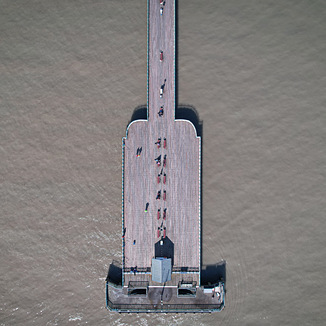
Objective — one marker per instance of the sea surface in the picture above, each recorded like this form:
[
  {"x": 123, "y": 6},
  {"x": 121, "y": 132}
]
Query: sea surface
[{"x": 71, "y": 75}]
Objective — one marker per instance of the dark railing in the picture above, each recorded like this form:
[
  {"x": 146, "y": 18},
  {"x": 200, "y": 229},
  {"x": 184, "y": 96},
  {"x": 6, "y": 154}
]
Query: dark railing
[
  {"x": 137, "y": 270},
  {"x": 185, "y": 284},
  {"x": 164, "y": 307},
  {"x": 174, "y": 269},
  {"x": 185, "y": 269},
  {"x": 138, "y": 284}
]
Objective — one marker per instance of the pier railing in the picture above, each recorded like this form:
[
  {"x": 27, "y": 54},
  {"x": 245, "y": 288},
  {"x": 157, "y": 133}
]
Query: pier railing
[
  {"x": 137, "y": 270},
  {"x": 164, "y": 307},
  {"x": 174, "y": 270},
  {"x": 122, "y": 207},
  {"x": 185, "y": 270}
]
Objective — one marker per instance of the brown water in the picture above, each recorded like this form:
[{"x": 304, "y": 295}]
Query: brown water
[{"x": 71, "y": 74}]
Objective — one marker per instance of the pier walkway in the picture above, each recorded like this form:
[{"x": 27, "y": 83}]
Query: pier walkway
[
  {"x": 161, "y": 217},
  {"x": 171, "y": 184}
]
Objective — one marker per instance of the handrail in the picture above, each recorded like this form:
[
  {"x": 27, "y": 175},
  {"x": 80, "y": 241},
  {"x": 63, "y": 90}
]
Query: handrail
[{"x": 164, "y": 307}]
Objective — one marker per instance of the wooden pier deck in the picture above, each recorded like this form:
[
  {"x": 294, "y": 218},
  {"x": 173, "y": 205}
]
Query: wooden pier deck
[{"x": 182, "y": 170}]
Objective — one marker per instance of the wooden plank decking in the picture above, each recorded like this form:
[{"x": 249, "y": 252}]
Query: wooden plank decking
[{"x": 140, "y": 185}]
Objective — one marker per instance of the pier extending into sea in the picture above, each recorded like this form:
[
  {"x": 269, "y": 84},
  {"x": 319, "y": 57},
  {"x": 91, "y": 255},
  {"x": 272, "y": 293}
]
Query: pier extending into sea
[
  {"x": 161, "y": 218},
  {"x": 144, "y": 177}
]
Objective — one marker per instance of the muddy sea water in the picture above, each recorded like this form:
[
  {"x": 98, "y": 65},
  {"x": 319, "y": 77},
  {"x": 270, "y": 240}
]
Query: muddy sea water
[{"x": 71, "y": 74}]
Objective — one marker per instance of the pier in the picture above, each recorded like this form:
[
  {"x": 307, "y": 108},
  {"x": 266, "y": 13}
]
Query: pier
[
  {"x": 182, "y": 167},
  {"x": 161, "y": 218}
]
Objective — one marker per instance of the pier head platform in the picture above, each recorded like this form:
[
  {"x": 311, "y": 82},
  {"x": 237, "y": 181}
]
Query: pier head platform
[{"x": 161, "y": 217}]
